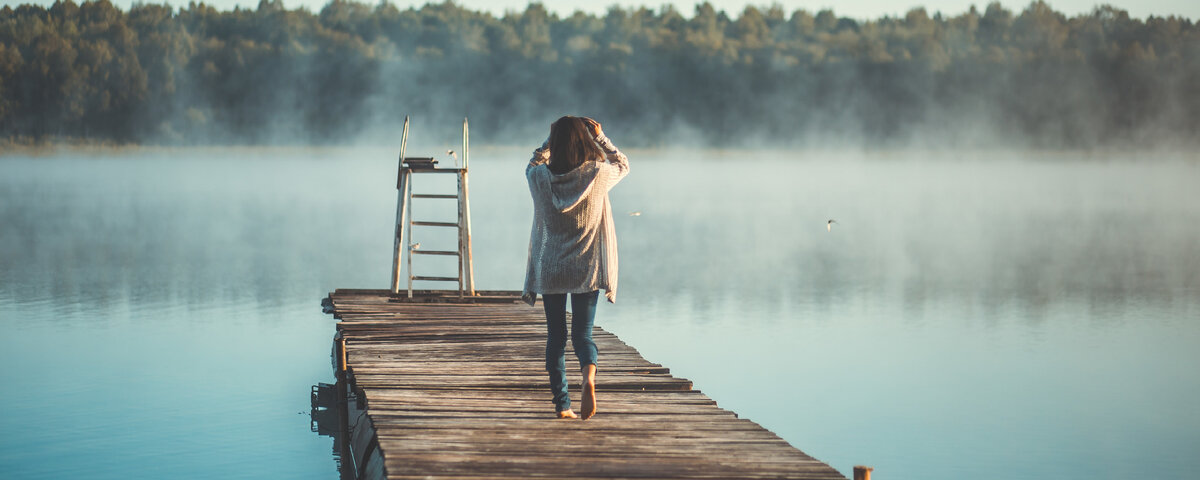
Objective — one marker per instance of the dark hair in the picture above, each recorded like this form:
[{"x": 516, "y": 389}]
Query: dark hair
[{"x": 571, "y": 144}]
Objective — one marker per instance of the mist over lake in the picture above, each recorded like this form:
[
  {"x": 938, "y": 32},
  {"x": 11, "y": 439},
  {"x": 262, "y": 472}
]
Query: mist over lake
[
  {"x": 1011, "y": 314},
  {"x": 941, "y": 244}
]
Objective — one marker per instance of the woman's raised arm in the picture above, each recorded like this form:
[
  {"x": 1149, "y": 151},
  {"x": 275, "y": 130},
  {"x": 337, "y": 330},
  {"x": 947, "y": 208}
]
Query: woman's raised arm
[
  {"x": 540, "y": 155},
  {"x": 614, "y": 157}
]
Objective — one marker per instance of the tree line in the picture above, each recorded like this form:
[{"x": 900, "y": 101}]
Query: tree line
[{"x": 762, "y": 76}]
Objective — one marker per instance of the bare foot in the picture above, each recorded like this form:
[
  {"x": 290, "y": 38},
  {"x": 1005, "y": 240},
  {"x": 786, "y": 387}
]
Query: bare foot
[
  {"x": 589, "y": 400},
  {"x": 567, "y": 414}
]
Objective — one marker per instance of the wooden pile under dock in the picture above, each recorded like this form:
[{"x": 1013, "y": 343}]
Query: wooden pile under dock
[{"x": 446, "y": 389}]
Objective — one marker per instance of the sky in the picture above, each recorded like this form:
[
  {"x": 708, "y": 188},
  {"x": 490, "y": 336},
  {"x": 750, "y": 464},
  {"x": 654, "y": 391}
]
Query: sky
[{"x": 859, "y": 9}]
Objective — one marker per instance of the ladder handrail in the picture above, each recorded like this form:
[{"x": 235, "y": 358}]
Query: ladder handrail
[{"x": 402, "y": 187}]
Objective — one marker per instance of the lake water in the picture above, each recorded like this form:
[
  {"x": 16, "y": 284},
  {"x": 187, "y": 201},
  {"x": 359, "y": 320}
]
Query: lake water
[{"x": 982, "y": 314}]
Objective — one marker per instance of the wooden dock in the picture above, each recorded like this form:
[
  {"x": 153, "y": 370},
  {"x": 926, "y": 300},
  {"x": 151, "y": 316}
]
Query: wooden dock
[{"x": 437, "y": 388}]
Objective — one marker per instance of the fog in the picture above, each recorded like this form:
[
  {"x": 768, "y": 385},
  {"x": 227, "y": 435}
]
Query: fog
[
  {"x": 1027, "y": 314},
  {"x": 762, "y": 77}
]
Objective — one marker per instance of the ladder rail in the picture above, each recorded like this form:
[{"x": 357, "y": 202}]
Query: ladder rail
[
  {"x": 464, "y": 231},
  {"x": 461, "y": 177},
  {"x": 465, "y": 207},
  {"x": 408, "y": 247},
  {"x": 399, "y": 246}
]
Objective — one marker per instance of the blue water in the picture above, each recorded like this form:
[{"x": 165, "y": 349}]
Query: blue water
[{"x": 985, "y": 314}]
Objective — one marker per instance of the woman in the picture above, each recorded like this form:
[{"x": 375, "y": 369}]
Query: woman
[{"x": 573, "y": 247}]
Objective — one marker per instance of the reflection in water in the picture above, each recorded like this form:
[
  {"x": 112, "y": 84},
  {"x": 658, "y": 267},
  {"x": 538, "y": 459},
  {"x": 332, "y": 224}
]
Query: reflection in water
[
  {"x": 990, "y": 234},
  {"x": 162, "y": 306},
  {"x": 1029, "y": 318},
  {"x": 143, "y": 231},
  {"x": 326, "y": 420},
  {"x": 338, "y": 412},
  {"x": 330, "y": 418}
]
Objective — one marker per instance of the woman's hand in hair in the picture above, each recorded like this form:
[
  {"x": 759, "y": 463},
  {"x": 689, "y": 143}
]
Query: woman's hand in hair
[{"x": 595, "y": 127}]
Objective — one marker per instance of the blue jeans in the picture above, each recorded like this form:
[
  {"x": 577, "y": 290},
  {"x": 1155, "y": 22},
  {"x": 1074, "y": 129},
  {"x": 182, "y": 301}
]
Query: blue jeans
[{"x": 583, "y": 314}]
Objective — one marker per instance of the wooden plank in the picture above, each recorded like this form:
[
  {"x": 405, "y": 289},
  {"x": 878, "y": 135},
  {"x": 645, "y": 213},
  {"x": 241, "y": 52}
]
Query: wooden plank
[{"x": 459, "y": 390}]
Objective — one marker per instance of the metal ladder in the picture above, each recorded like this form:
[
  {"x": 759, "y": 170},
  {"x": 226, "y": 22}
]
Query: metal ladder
[{"x": 410, "y": 166}]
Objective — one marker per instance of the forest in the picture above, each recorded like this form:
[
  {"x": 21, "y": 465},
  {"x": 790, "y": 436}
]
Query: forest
[{"x": 156, "y": 74}]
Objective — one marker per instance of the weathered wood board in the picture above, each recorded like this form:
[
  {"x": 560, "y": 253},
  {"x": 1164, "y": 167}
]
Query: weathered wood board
[{"x": 458, "y": 391}]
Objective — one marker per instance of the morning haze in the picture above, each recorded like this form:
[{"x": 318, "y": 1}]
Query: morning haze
[
  {"x": 1010, "y": 289},
  {"x": 761, "y": 76}
]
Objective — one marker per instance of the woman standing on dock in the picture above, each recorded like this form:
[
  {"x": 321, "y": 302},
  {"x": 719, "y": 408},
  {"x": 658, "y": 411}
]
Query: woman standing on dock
[{"x": 573, "y": 246}]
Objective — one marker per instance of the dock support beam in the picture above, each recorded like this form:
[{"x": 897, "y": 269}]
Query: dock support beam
[{"x": 862, "y": 473}]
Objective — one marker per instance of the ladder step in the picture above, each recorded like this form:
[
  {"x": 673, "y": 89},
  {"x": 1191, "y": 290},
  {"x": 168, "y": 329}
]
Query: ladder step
[
  {"x": 432, "y": 195},
  {"x": 436, "y": 279},
  {"x": 436, "y": 224},
  {"x": 434, "y": 252},
  {"x": 431, "y": 169}
]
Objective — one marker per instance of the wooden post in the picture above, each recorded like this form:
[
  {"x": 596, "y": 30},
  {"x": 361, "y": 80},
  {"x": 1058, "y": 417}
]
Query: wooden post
[
  {"x": 342, "y": 354},
  {"x": 862, "y": 473}
]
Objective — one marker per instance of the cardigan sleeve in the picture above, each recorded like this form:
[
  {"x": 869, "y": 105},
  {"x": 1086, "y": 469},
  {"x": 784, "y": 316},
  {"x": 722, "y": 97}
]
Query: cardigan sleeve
[
  {"x": 615, "y": 158},
  {"x": 540, "y": 155}
]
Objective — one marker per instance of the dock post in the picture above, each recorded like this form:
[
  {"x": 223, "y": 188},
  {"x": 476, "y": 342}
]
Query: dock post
[
  {"x": 342, "y": 355},
  {"x": 862, "y": 473}
]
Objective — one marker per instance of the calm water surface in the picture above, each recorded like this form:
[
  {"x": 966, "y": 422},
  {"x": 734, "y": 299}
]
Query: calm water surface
[{"x": 978, "y": 314}]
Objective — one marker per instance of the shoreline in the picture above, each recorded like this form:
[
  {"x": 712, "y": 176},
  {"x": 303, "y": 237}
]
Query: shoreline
[{"x": 964, "y": 153}]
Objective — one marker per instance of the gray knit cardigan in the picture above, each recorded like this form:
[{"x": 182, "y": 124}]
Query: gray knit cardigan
[{"x": 573, "y": 246}]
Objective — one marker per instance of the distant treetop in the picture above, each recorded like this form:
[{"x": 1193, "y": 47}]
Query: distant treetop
[{"x": 351, "y": 71}]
